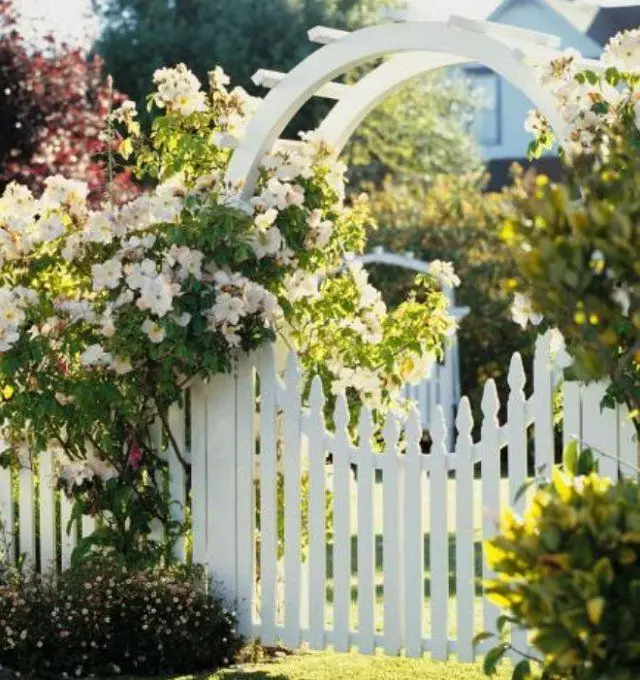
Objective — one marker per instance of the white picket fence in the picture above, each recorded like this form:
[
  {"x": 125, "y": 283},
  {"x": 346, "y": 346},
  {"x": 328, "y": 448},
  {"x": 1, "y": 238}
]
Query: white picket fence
[{"x": 397, "y": 567}]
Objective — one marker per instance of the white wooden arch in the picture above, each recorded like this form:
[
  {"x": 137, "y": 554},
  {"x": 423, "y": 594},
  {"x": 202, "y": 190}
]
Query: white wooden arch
[{"x": 422, "y": 46}]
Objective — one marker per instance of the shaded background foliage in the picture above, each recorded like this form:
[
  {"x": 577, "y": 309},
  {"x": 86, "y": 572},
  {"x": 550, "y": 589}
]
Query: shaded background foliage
[
  {"x": 452, "y": 219},
  {"x": 53, "y": 105}
]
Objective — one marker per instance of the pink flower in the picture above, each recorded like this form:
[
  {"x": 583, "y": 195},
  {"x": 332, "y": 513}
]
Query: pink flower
[{"x": 135, "y": 457}]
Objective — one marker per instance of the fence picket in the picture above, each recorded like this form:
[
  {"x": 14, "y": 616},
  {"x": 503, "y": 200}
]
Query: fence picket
[
  {"x": 391, "y": 542},
  {"x": 628, "y": 444},
  {"x": 439, "y": 538},
  {"x": 600, "y": 429},
  {"x": 341, "y": 526},
  {"x": 26, "y": 508},
  {"x": 155, "y": 437},
  {"x": 177, "y": 476},
  {"x": 268, "y": 507},
  {"x": 571, "y": 412},
  {"x": 245, "y": 493},
  {"x": 413, "y": 537},
  {"x": 317, "y": 520},
  {"x": 366, "y": 536},
  {"x": 48, "y": 538},
  {"x": 199, "y": 394},
  {"x": 517, "y": 452},
  {"x": 6, "y": 512},
  {"x": 68, "y": 538},
  {"x": 465, "y": 557},
  {"x": 543, "y": 405},
  {"x": 490, "y": 461},
  {"x": 517, "y": 431},
  {"x": 292, "y": 503}
]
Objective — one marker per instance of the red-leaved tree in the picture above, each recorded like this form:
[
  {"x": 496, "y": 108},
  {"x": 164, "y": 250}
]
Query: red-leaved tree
[{"x": 54, "y": 102}]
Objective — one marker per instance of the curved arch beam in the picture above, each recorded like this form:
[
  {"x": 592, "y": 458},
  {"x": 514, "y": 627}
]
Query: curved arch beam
[
  {"x": 369, "y": 92},
  {"x": 284, "y": 101}
]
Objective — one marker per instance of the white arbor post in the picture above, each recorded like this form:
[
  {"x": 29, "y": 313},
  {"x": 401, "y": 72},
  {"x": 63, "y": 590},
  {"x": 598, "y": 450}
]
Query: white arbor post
[{"x": 223, "y": 486}]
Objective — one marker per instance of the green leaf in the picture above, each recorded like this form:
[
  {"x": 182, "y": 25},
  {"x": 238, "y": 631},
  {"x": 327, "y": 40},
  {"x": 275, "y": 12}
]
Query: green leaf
[
  {"x": 493, "y": 658},
  {"x": 570, "y": 458},
  {"x": 522, "y": 670},
  {"x": 481, "y": 637}
]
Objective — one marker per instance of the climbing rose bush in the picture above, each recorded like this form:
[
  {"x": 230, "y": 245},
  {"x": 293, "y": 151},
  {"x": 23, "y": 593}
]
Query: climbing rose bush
[
  {"x": 107, "y": 314},
  {"x": 576, "y": 243}
]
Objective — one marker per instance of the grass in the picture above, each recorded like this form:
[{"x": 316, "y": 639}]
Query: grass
[{"x": 326, "y": 666}]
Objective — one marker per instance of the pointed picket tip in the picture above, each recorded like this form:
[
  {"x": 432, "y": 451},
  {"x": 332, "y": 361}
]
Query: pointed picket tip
[
  {"x": 316, "y": 397},
  {"x": 391, "y": 429},
  {"x": 517, "y": 377},
  {"x": 490, "y": 400},
  {"x": 293, "y": 365},
  {"x": 365, "y": 425},
  {"x": 438, "y": 430},
  {"x": 341, "y": 413},
  {"x": 413, "y": 428},
  {"x": 464, "y": 419},
  {"x": 543, "y": 346}
]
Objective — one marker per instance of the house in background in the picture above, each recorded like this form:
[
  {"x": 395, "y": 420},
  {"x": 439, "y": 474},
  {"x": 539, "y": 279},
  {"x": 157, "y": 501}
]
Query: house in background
[{"x": 585, "y": 25}]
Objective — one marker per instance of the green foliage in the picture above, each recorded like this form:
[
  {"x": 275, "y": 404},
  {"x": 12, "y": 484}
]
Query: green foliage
[
  {"x": 576, "y": 243},
  {"x": 568, "y": 571},
  {"x": 454, "y": 220},
  {"x": 102, "y": 620},
  {"x": 575, "y": 247},
  {"x": 243, "y": 36},
  {"x": 420, "y": 132}
]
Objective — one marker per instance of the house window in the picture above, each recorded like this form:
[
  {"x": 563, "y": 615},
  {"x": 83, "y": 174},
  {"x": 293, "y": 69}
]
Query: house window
[{"x": 487, "y": 124}]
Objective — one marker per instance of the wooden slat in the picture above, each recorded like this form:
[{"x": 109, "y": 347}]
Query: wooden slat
[
  {"x": 465, "y": 558},
  {"x": 48, "y": 536},
  {"x": 268, "y": 508},
  {"x": 6, "y": 509},
  {"x": 177, "y": 477},
  {"x": 366, "y": 536},
  {"x": 392, "y": 544},
  {"x": 600, "y": 429},
  {"x": 317, "y": 521},
  {"x": 245, "y": 494},
  {"x": 517, "y": 452},
  {"x": 341, "y": 527},
  {"x": 26, "y": 508},
  {"x": 543, "y": 406},
  {"x": 628, "y": 444},
  {"x": 413, "y": 537},
  {"x": 571, "y": 412},
  {"x": 439, "y": 538},
  {"x": 490, "y": 461},
  {"x": 199, "y": 394},
  {"x": 292, "y": 503}
]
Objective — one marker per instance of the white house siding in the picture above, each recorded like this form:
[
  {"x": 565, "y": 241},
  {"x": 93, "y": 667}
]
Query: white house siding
[{"x": 513, "y": 106}]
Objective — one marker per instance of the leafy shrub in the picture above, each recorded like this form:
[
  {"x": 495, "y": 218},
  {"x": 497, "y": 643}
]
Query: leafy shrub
[
  {"x": 576, "y": 243},
  {"x": 569, "y": 572},
  {"x": 103, "y": 620}
]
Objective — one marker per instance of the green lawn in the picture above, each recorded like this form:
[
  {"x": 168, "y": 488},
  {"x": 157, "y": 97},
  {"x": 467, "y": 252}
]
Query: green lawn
[{"x": 326, "y": 666}]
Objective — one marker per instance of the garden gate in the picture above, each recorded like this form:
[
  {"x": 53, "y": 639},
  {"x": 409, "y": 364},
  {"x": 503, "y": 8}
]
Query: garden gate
[{"x": 442, "y": 386}]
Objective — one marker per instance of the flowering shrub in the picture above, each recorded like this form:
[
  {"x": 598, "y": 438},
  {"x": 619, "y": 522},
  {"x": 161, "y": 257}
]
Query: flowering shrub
[
  {"x": 104, "y": 621},
  {"x": 569, "y": 572},
  {"x": 575, "y": 244},
  {"x": 124, "y": 305}
]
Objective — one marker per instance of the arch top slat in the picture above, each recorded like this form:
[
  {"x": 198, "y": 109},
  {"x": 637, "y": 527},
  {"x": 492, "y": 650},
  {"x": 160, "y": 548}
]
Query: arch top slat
[{"x": 420, "y": 46}]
